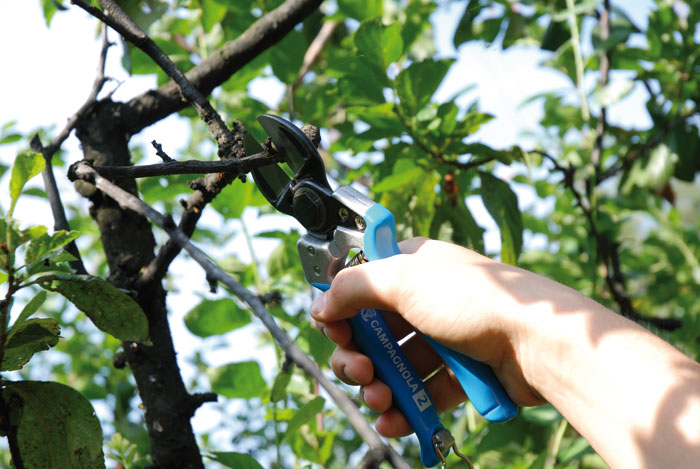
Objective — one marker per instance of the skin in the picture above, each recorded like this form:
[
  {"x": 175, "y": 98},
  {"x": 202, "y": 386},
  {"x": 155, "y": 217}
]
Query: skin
[{"x": 633, "y": 396}]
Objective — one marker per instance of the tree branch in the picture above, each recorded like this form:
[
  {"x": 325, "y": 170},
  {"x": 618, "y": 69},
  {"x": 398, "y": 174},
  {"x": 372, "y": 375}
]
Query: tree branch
[
  {"x": 232, "y": 167},
  {"x": 155, "y": 105},
  {"x": 54, "y": 196},
  {"x": 614, "y": 277},
  {"x": 597, "y": 153},
  {"x": 130, "y": 202},
  {"x": 130, "y": 31}
]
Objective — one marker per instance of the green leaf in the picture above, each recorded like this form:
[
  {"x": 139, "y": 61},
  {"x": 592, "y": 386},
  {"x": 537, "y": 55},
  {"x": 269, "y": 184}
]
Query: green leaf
[
  {"x": 279, "y": 387},
  {"x": 502, "y": 204},
  {"x": 378, "y": 46},
  {"x": 417, "y": 83},
  {"x": 651, "y": 170},
  {"x": 464, "y": 27},
  {"x": 239, "y": 380},
  {"x": 45, "y": 244},
  {"x": 303, "y": 415},
  {"x": 465, "y": 230},
  {"x": 212, "y": 13},
  {"x": 360, "y": 9},
  {"x": 11, "y": 138},
  {"x": 545, "y": 415},
  {"x": 29, "y": 309},
  {"x": 235, "y": 460},
  {"x": 235, "y": 197},
  {"x": 398, "y": 179},
  {"x": 26, "y": 166},
  {"x": 313, "y": 342},
  {"x": 212, "y": 317},
  {"x": 110, "y": 309},
  {"x": 613, "y": 92},
  {"x": 28, "y": 338},
  {"x": 556, "y": 34},
  {"x": 288, "y": 56},
  {"x": 61, "y": 422},
  {"x": 578, "y": 449}
]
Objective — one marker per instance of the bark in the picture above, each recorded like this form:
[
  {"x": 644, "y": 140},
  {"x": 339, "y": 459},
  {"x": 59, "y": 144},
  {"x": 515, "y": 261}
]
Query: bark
[{"x": 129, "y": 246}]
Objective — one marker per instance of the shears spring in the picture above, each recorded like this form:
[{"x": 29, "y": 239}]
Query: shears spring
[{"x": 442, "y": 442}]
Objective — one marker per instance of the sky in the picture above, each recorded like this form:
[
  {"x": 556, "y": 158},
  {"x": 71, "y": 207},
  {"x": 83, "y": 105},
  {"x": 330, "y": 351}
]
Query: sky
[{"x": 47, "y": 75}]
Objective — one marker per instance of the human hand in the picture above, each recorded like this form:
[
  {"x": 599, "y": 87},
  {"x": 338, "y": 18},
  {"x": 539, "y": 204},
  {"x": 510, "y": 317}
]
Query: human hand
[{"x": 459, "y": 298}]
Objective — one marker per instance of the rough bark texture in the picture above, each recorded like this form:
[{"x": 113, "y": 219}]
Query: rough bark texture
[{"x": 129, "y": 246}]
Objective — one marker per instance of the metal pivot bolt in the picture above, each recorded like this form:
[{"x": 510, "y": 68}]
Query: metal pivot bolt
[
  {"x": 311, "y": 250},
  {"x": 360, "y": 223},
  {"x": 343, "y": 213}
]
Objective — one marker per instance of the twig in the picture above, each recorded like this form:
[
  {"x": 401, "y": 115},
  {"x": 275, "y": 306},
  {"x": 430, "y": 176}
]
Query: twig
[
  {"x": 130, "y": 31},
  {"x": 633, "y": 154},
  {"x": 234, "y": 167},
  {"x": 159, "y": 151},
  {"x": 597, "y": 153},
  {"x": 294, "y": 353},
  {"x": 614, "y": 277},
  {"x": 578, "y": 59},
  {"x": 310, "y": 57},
  {"x": 54, "y": 196}
]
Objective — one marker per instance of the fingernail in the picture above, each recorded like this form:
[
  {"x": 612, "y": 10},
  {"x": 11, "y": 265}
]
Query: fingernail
[
  {"x": 349, "y": 375},
  {"x": 317, "y": 306}
]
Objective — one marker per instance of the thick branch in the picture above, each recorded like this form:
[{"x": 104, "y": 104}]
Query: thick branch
[
  {"x": 213, "y": 271},
  {"x": 155, "y": 105},
  {"x": 235, "y": 167}
]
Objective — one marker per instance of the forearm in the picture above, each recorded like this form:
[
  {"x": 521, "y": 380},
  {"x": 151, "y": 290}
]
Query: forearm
[{"x": 634, "y": 397}]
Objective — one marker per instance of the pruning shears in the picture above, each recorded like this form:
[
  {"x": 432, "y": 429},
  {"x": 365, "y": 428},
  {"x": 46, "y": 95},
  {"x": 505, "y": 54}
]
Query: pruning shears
[{"x": 343, "y": 220}]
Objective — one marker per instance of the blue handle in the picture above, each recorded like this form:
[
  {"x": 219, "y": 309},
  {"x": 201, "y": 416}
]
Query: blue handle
[
  {"x": 373, "y": 338},
  {"x": 477, "y": 379}
]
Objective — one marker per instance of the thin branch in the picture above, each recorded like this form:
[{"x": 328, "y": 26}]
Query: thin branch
[
  {"x": 159, "y": 152},
  {"x": 468, "y": 164},
  {"x": 578, "y": 58},
  {"x": 633, "y": 154},
  {"x": 97, "y": 85},
  {"x": 235, "y": 167},
  {"x": 614, "y": 277},
  {"x": 310, "y": 57},
  {"x": 213, "y": 271},
  {"x": 157, "y": 104},
  {"x": 597, "y": 153},
  {"x": 130, "y": 31},
  {"x": 52, "y": 192}
]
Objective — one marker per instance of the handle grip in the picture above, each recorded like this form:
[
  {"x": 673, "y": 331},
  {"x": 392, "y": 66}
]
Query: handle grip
[
  {"x": 477, "y": 379},
  {"x": 373, "y": 338}
]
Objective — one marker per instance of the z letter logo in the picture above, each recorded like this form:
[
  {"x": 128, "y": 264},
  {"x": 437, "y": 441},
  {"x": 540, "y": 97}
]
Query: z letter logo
[{"x": 422, "y": 400}]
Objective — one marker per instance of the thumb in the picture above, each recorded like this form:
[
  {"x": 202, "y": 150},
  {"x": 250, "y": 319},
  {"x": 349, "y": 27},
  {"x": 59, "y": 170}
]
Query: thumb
[
  {"x": 375, "y": 284},
  {"x": 371, "y": 285}
]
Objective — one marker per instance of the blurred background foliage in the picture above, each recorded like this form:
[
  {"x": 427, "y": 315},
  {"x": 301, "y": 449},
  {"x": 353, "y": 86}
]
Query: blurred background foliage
[{"x": 614, "y": 209}]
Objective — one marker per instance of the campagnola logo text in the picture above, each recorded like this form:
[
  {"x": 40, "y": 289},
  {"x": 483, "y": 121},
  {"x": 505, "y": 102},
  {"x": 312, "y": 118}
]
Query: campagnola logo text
[{"x": 420, "y": 397}]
